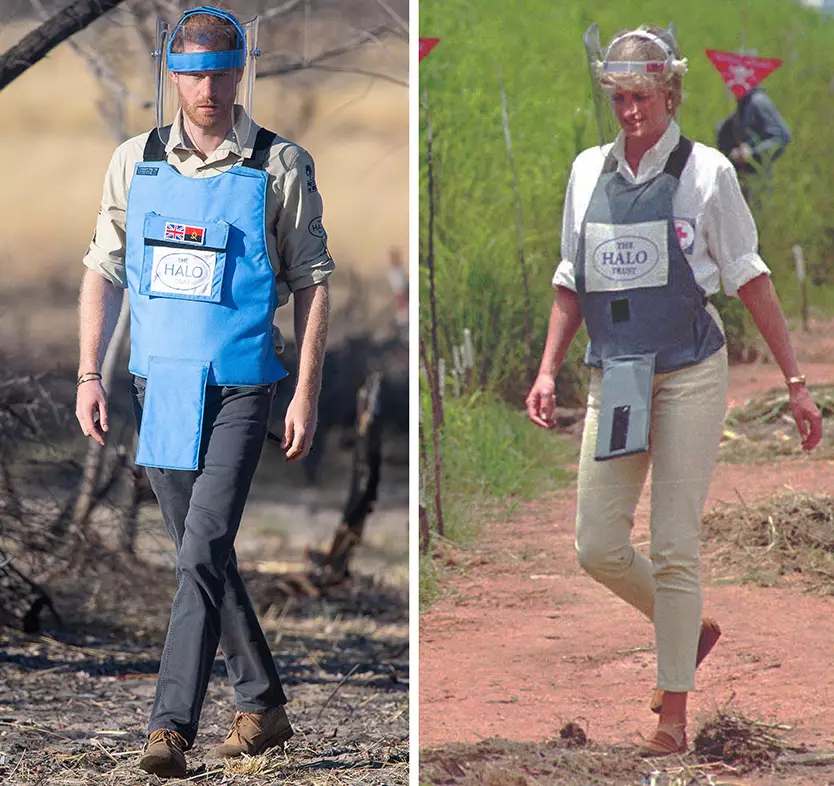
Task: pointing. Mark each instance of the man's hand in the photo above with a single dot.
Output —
(741, 154)
(300, 426)
(91, 410)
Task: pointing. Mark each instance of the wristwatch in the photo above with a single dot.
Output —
(798, 380)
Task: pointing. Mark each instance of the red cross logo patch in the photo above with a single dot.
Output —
(685, 230)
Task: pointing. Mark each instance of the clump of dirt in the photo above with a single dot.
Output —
(573, 734)
(743, 743)
(764, 428)
(786, 535)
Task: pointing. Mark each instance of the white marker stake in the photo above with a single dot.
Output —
(799, 260)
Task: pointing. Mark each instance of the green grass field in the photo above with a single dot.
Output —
(538, 48)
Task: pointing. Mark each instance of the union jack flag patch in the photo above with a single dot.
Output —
(174, 231)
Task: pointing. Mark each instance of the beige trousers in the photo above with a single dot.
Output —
(688, 408)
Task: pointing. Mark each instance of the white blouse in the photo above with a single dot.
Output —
(715, 228)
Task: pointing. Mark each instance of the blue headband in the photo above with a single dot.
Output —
(207, 61)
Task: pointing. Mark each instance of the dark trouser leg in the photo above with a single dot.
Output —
(202, 512)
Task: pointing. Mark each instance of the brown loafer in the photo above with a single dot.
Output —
(253, 733)
(667, 740)
(710, 633)
(164, 754)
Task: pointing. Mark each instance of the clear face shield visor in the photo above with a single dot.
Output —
(606, 71)
(208, 82)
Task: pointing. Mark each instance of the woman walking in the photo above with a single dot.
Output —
(653, 225)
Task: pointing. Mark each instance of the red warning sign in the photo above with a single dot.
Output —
(741, 73)
(426, 45)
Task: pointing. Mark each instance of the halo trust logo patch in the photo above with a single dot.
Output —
(183, 272)
(316, 228)
(625, 258)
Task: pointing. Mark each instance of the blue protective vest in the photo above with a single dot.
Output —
(202, 294)
(636, 289)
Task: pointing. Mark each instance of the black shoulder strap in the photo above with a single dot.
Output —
(154, 149)
(678, 158)
(610, 164)
(260, 151)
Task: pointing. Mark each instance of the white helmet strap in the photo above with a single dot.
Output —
(671, 63)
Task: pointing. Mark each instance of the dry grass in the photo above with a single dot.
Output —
(496, 762)
(786, 535)
(726, 746)
(373, 765)
(741, 742)
(764, 429)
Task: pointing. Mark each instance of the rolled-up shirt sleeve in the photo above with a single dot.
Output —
(106, 253)
(300, 233)
(564, 275)
(732, 237)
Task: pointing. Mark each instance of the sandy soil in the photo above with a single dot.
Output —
(523, 641)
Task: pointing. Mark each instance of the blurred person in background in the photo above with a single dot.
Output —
(753, 137)
(211, 222)
(653, 225)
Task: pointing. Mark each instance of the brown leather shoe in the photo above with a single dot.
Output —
(710, 633)
(164, 754)
(253, 733)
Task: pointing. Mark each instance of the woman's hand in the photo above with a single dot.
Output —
(541, 400)
(807, 416)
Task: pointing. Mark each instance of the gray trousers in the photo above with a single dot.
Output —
(202, 511)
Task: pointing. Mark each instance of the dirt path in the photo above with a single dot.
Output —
(523, 641)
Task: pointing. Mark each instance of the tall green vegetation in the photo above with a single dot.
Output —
(538, 46)
(493, 458)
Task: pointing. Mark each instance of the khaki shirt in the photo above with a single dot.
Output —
(295, 238)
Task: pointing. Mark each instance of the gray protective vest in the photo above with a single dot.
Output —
(643, 310)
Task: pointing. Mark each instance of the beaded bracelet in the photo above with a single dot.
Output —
(88, 377)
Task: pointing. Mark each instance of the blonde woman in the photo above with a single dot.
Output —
(653, 225)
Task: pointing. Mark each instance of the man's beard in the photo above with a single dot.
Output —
(220, 119)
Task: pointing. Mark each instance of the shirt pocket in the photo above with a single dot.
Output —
(183, 259)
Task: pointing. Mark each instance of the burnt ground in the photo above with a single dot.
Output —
(74, 700)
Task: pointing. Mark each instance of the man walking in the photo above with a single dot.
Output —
(210, 222)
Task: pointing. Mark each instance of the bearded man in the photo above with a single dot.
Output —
(211, 222)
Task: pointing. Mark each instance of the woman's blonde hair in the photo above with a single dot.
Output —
(647, 43)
